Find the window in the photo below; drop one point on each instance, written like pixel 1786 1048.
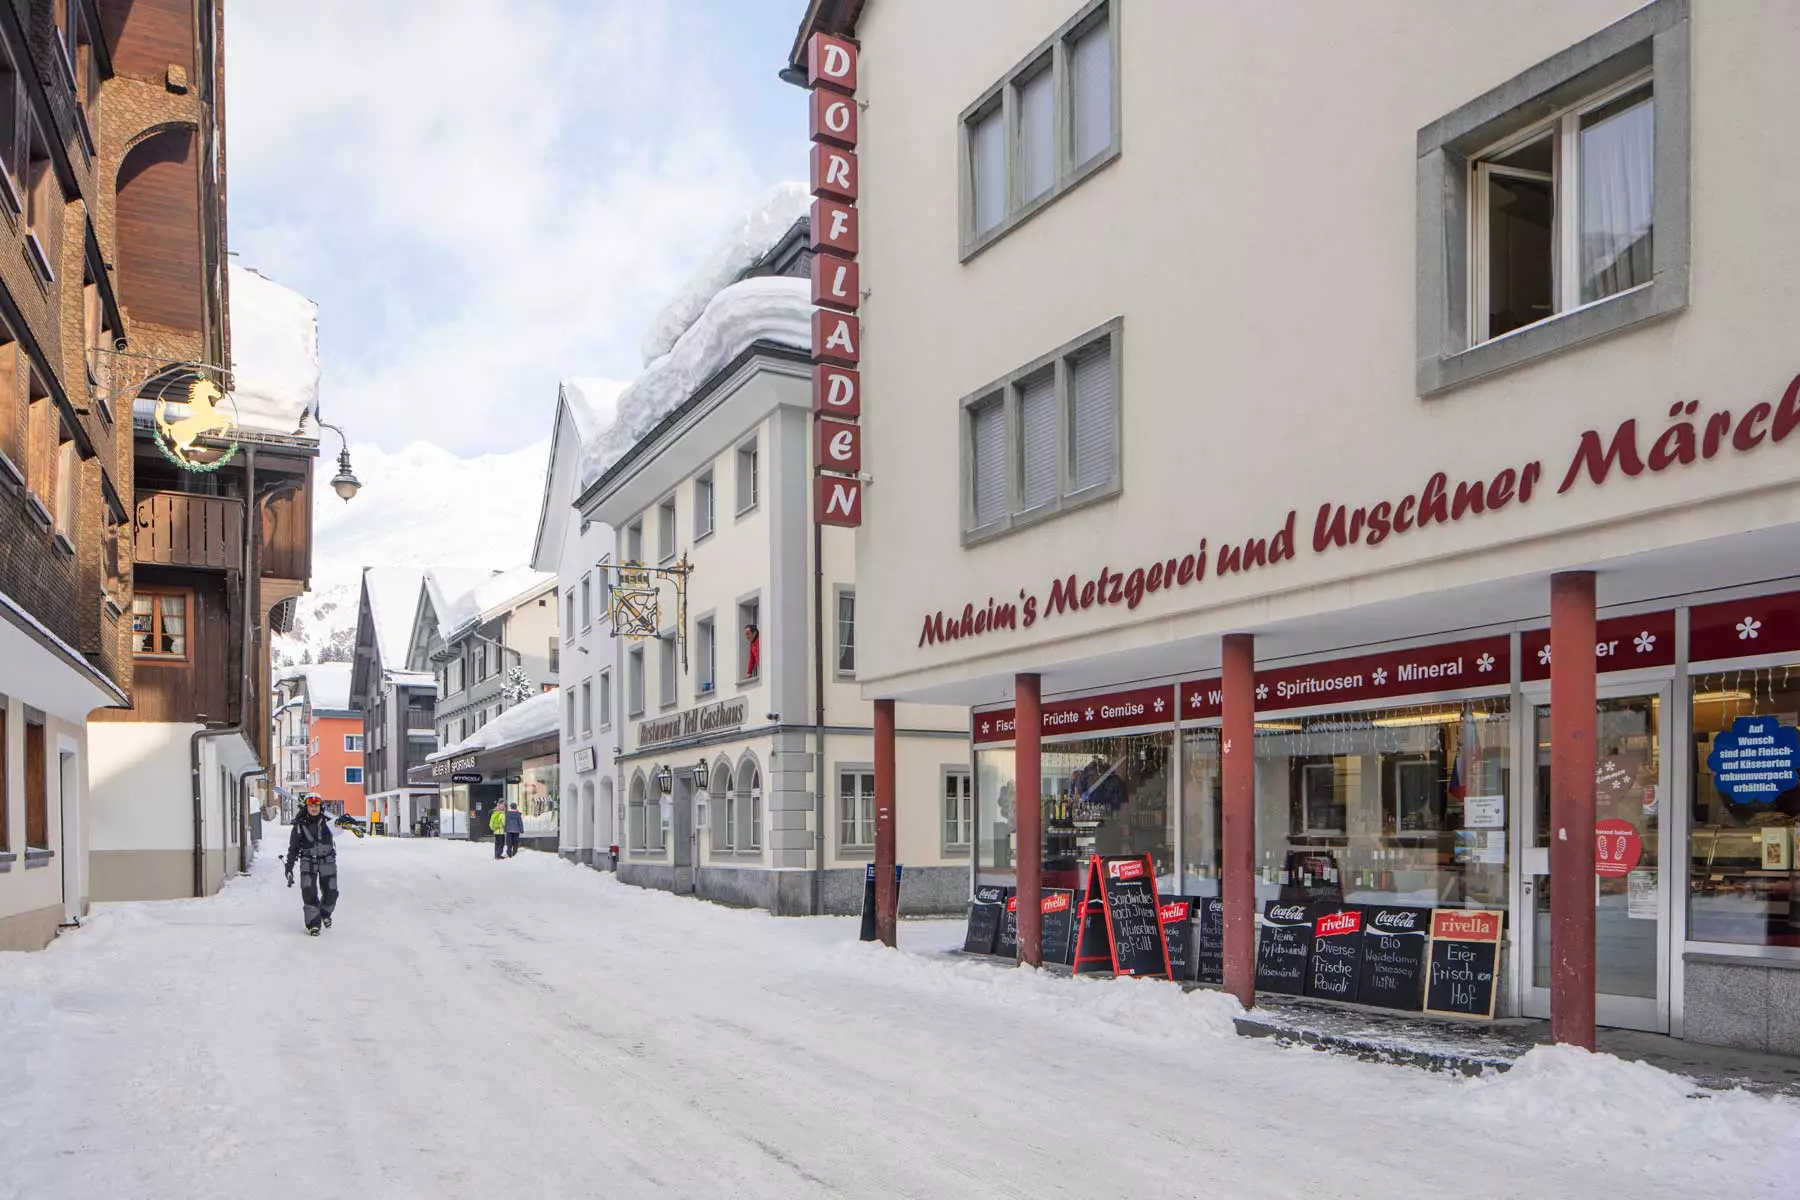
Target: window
pixel 605 690
pixel 1044 439
pixel 9 400
pixel 37 786
pixel 747 797
pixel 569 714
pixel 587 706
pixel 665 529
pixel 634 542
pixel 353 775
pixel 1554 208
pixel 638 832
pixel 11 106
pixel 159 625
pixel 746 477
pixel 43 197
pixel 846 632
pixel 1036 134
pixel 353 743
pixel 706 655
pixel 703 505
pixel 720 808
pixel 959 810
pixel 453 674
pixel 856 810
pixel 94 327
pixel 87 80
pixel 634 682
pixel 569 615
pixel 667 670
pixel 40 418
pixel 749 624
pixel 66 487
pixel 587 601
pixel 555 657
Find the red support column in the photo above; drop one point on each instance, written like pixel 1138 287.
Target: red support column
pixel 1238 750
pixel 1028 809
pixel 1572 730
pixel 887 896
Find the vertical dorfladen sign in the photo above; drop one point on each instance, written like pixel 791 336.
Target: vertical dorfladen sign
pixel 836 287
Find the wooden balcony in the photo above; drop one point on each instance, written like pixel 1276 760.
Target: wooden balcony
pixel 178 530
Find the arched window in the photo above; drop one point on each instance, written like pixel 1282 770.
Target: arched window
pixel 747 800
pixel 584 821
pixel 639 832
pixel 603 816
pixel 718 798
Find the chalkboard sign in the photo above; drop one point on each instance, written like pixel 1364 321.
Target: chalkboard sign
pixel 868 909
pixel 984 919
pixel 1093 943
pixel 1057 934
pixel 1134 917
pixel 1209 965
pixel 1464 963
pixel 1394 952
pixel 1178 914
pixel 1335 970
pixel 1283 948
pixel 1008 945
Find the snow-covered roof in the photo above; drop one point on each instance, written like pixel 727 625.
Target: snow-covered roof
pixel 274 352
pixel 771 308
pixel 393 594
pixel 535 718
pixel 752 237
pixel 490 598
pixel 593 403
pixel 327 684
pixel 446 586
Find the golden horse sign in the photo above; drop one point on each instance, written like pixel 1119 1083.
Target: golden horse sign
pixel 177 439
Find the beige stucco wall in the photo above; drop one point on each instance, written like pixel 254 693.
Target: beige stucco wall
pixel 32 900
pixel 1257 235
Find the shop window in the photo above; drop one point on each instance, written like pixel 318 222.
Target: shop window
pixel 747 481
pixel 856 810
pixel 37 785
pixel 159 625
pixel 846 633
pixel 1744 888
pixel 1556 204
pixel 958 811
pixel 1044 439
pixel 665 530
pixel 1043 129
pixel 703 505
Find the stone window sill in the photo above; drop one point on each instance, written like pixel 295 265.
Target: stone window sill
pixel 39 509
pixel 38 858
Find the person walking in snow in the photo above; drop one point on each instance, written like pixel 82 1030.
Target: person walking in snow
pixel 310 845
pixel 515 825
pixel 497 824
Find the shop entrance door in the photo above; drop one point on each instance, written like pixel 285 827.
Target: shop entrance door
pixel 1631 809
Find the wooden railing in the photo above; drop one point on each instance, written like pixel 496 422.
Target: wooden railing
pixel 178 530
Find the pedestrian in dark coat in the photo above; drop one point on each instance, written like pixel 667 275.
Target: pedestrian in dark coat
pixel 310 845
pixel 515 825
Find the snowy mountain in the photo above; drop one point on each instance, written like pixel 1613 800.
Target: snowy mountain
pixel 418 507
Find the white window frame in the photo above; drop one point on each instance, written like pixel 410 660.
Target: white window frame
pixel 605 689
pixel 353 743
pixel 568 716
pixel 668 669
pixel 753 600
pixel 1052 54
pixel 634 682
pixel 587 706
pixel 1007 388
pixel 587 602
pixel 839 594
pixel 353 775
pixel 1653 39
pixel 856 812
pixel 706 495
pixel 748 458
pixel 634 542
pixel 668 537
pixel 706 656
pixel 963 821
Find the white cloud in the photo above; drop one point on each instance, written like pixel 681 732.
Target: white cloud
pixel 483 195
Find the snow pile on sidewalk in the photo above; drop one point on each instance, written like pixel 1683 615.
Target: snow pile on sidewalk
pixel 753 237
pixel 774 308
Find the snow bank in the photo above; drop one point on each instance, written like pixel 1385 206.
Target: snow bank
pixel 754 236
pixel 535 718
pixel 274 352
pixel 773 308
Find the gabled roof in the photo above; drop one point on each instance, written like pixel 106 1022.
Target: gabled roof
pixel 492 597
pixel 584 409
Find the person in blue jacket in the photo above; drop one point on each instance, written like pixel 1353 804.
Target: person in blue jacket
pixel 515 825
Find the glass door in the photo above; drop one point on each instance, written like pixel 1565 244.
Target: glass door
pixel 1631 890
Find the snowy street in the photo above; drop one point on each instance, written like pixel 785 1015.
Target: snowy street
pixel 531 1028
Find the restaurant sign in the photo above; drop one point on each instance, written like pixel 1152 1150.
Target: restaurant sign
pixel 726 714
pixel 451 766
pixel 1386 675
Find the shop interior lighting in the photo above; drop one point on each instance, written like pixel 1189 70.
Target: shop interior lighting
pixel 1437 718
pixel 1279 727
pixel 1721 696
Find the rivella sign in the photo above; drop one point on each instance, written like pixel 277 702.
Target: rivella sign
pixel 836 283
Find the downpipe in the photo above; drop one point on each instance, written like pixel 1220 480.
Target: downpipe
pixel 818 720
pixel 252 564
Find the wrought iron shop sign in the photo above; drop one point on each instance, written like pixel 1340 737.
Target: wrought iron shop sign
pixel 726 714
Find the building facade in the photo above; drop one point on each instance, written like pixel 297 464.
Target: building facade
pixel 490 647
pixel 575 548
pixel 1441 535
pixel 318 740
pixel 398 706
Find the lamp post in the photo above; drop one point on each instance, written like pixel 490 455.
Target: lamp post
pixel 344 483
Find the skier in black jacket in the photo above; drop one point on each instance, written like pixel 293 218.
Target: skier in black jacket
pixel 310 843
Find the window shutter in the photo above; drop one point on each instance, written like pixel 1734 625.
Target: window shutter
pixel 988 443
pixel 1037 135
pixel 987 163
pixel 1094 435
pixel 1091 60
pixel 1037 441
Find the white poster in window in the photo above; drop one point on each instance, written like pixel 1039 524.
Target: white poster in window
pixel 1484 812
pixel 1492 848
pixel 1640 896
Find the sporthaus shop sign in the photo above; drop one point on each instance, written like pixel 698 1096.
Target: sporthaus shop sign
pixel 1690 436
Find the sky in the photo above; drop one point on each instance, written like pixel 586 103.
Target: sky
pixel 486 196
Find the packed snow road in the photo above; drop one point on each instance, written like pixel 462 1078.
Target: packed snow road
pixel 529 1028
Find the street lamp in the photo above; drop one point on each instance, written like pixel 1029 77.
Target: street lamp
pixel 700 775
pixel 344 483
